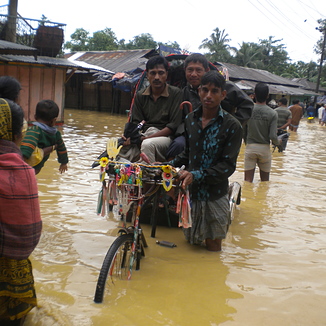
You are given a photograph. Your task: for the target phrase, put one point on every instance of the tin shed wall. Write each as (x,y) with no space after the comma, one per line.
(38,83)
(82,94)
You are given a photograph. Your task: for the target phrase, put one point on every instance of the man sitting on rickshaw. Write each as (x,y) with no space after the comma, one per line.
(158,108)
(236,101)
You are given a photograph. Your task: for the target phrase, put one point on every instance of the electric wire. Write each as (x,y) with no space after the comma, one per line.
(267,8)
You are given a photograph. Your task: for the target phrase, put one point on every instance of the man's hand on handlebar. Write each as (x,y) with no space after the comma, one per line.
(186,178)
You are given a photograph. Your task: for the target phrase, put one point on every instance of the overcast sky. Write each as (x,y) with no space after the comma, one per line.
(189,22)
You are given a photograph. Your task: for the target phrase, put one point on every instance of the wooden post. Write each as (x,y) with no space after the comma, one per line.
(12,16)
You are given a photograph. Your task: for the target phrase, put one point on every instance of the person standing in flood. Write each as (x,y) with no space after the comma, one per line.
(213,141)
(311,111)
(284,117)
(262,129)
(20,220)
(297,113)
(320,113)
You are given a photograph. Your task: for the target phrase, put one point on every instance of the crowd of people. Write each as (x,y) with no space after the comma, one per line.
(205,136)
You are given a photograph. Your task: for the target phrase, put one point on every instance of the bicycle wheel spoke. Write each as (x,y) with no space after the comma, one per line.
(116,265)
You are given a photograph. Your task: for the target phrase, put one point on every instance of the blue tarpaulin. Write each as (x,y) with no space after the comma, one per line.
(127,83)
(166,50)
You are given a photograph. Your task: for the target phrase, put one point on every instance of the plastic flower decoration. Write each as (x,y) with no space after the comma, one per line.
(167,177)
(104,161)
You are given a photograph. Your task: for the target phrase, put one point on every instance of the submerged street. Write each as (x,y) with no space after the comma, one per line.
(271,270)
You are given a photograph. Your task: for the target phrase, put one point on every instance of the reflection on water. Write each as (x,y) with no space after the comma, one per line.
(271,270)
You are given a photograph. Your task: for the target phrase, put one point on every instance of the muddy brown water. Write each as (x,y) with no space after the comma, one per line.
(271,270)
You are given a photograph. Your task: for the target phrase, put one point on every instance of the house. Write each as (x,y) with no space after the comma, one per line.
(246,79)
(41,77)
(111,92)
(28,52)
(306,84)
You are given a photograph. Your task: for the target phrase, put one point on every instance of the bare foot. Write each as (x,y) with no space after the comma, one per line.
(144,157)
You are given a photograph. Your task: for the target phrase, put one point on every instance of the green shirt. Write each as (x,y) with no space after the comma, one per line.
(262,126)
(37,137)
(164,112)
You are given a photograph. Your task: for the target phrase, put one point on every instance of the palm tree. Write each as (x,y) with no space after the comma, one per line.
(275,57)
(217,44)
(249,55)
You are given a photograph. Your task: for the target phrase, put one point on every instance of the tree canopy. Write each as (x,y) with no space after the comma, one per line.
(217,44)
(268,54)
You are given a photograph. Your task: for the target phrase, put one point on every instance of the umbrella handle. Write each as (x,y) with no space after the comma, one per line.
(188,103)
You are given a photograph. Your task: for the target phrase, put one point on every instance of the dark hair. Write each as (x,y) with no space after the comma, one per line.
(157,60)
(261,92)
(46,110)
(283,101)
(9,87)
(295,102)
(196,57)
(17,117)
(215,78)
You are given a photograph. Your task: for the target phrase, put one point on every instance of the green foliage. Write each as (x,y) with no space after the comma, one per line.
(104,40)
(301,69)
(142,41)
(268,54)
(217,44)
(249,55)
(274,56)
(319,45)
(79,41)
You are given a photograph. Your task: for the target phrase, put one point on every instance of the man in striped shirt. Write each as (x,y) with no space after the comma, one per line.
(284,114)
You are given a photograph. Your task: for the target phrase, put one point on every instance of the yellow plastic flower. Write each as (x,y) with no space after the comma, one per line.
(104,161)
(167,168)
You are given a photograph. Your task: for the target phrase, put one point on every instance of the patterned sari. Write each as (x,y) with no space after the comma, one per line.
(20,225)
(17,292)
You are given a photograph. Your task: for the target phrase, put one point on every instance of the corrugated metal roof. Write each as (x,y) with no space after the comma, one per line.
(257,75)
(117,61)
(14,46)
(48,61)
(17,49)
(12,52)
(308,84)
(277,89)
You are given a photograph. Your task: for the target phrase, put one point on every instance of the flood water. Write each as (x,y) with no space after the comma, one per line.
(271,270)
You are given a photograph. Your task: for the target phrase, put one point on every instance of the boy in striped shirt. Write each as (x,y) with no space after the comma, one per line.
(44,137)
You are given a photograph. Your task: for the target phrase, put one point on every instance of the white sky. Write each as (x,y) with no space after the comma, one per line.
(188,22)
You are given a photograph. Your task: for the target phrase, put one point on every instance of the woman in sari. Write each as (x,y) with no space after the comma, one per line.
(20,220)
